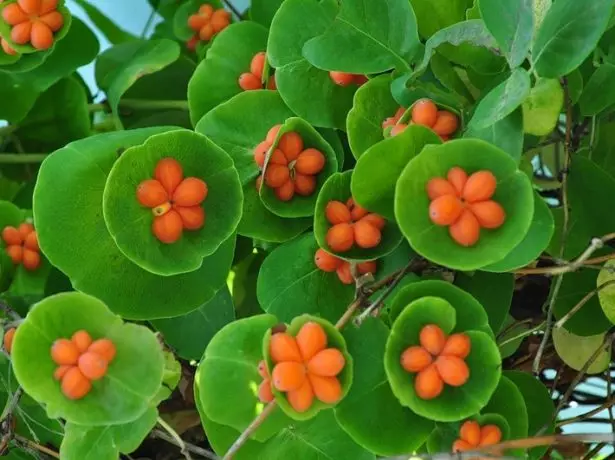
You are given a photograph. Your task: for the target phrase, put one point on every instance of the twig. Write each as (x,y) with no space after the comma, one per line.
(178,440)
(548,325)
(581,303)
(144,104)
(233,8)
(522,335)
(349,312)
(607,405)
(10,407)
(240,441)
(191,447)
(34,446)
(8,311)
(18,158)
(597,448)
(609,392)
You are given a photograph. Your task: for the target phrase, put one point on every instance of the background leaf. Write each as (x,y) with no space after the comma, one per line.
(598,94)
(506,134)
(575,350)
(433,15)
(542,107)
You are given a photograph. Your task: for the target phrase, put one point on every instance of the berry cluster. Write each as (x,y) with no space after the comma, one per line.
(175,201)
(305,368)
(8,339)
(32,21)
(291,168)
(253,79)
(438,360)
(81,361)
(22,246)
(464,204)
(329,263)
(264,389)
(207,23)
(472,435)
(347,79)
(424,112)
(352,224)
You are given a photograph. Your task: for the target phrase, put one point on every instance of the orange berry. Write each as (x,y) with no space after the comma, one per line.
(30,7)
(340,237)
(249,82)
(367,267)
(48,6)
(257,66)
(206,10)
(207,32)
(283,347)
(262,369)
(278,158)
(288,376)
(466,230)
(92,365)
(432,339)
(13,15)
(31,259)
(400,113)
(356,211)
(15,252)
(388,122)
(360,80)
(341,78)
(415,359)
(220,20)
(457,345)
(428,383)
(344,273)
(260,153)
(168,227)
(325,261)
(446,123)
(310,162)
(374,219)
(489,214)
(424,112)
(460,446)
(11,236)
(311,339)
(490,435)
(291,144)
(366,235)
(271,84)
(151,193)
(193,217)
(82,340)
(103,348)
(445,210)
(479,187)
(61,371)
(64,352)
(7,48)
(337,213)
(20,33)
(272,134)
(286,191)
(438,187)
(458,178)
(75,385)
(398,129)
(169,173)
(32,242)
(8,339)
(470,432)
(301,399)
(196,22)
(327,363)
(25,229)
(276,175)
(191,44)
(305,185)
(326,389)
(191,192)
(264,391)
(453,370)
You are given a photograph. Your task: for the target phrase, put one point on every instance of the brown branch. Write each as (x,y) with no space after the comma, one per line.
(191,447)
(34,446)
(243,437)
(586,415)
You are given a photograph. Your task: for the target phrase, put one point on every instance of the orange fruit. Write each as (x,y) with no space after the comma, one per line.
(286,191)
(360,80)
(356,211)
(470,432)
(193,217)
(104,348)
(207,32)
(257,66)
(398,129)
(327,363)
(260,153)
(92,365)
(424,112)
(271,84)
(196,21)
(445,210)
(262,369)
(428,383)
(336,212)
(490,435)
(432,339)
(20,33)
(10,235)
(191,44)
(249,82)
(32,242)
(302,398)
(310,162)
(291,144)
(15,253)
(445,138)
(276,175)
(169,173)
(325,261)
(466,230)
(400,113)
(344,273)
(25,229)
(415,359)
(47,6)
(278,158)
(304,185)
(479,187)
(220,20)
(7,48)
(388,122)
(460,446)
(31,259)
(374,219)
(13,15)
(191,192)
(446,123)
(438,187)
(264,391)
(206,10)
(341,78)
(366,235)
(30,7)
(8,339)
(311,339)
(340,237)
(489,214)
(453,370)
(61,371)
(272,134)
(82,340)
(367,267)
(326,389)
(75,385)
(151,193)
(288,376)
(64,352)
(283,347)
(457,345)
(168,227)
(458,178)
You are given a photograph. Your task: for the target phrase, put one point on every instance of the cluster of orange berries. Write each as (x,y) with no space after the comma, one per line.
(32,21)
(22,246)
(347,79)
(464,203)
(329,263)
(8,339)
(304,368)
(424,112)
(207,23)
(291,168)
(175,201)
(438,360)
(80,361)
(472,436)
(352,224)
(253,79)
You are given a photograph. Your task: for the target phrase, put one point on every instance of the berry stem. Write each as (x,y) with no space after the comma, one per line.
(18,158)
(152,105)
(178,440)
(241,440)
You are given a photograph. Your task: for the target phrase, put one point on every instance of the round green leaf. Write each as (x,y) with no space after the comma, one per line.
(514,193)
(130,223)
(542,107)
(187,9)
(370,413)
(454,403)
(20,98)
(263,11)
(337,188)
(133,378)
(575,350)
(511,336)
(377,170)
(506,134)
(606,295)
(68,213)
(215,80)
(335,340)
(443,437)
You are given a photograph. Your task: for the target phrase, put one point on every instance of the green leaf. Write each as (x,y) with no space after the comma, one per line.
(263,11)
(502,100)
(541,8)
(566,22)
(433,15)
(606,295)
(576,351)
(598,95)
(511,22)
(511,336)
(110,29)
(370,413)
(542,107)
(18,98)
(506,134)
(189,334)
(133,377)
(69,212)
(448,75)
(367,37)
(373,180)
(514,193)
(295,77)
